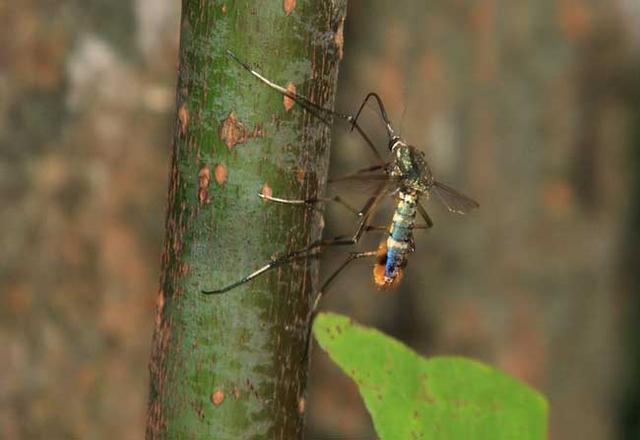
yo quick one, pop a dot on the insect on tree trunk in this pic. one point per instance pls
(230, 366)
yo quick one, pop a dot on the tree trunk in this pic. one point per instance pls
(230, 365)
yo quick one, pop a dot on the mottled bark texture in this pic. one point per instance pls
(229, 366)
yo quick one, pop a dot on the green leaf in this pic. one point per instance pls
(410, 397)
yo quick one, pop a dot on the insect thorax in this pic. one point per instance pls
(411, 168)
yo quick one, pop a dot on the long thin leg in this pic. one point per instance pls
(317, 245)
(371, 204)
(318, 111)
(308, 202)
(336, 198)
(383, 113)
(323, 290)
(311, 201)
(424, 215)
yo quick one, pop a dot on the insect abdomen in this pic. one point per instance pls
(399, 243)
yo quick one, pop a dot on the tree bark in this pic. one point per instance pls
(230, 365)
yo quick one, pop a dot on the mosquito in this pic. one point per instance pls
(406, 176)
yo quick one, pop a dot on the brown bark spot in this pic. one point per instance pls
(289, 102)
(221, 173)
(183, 116)
(234, 132)
(339, 38)
(204, 178)
(266, 190)
(289, 6)
(217, 397)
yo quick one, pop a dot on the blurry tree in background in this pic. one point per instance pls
(529, 107)
(86, 94)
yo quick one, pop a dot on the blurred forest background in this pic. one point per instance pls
(531, 107)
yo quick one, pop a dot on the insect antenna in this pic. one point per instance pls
(390, 132)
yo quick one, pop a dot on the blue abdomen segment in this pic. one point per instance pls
(394, 262)
(400, 235)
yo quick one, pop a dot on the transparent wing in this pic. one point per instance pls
(452, 199)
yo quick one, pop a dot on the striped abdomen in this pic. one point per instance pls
(399, 243)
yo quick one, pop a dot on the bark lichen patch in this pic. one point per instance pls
(289, 6)
(220, 173)
(204, 178)
(183, 117)
(288, 102)
(217, 397)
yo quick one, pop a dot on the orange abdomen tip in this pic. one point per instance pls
(379, 278)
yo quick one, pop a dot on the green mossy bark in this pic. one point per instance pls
(229, 366)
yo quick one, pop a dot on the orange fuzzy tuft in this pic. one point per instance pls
(381, 282)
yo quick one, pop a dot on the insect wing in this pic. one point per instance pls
(452, 199)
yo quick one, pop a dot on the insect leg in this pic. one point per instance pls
(315, 200)
(425, 216)
(316, 110)
(306, 252)
(317, 245)
(309, 202)
(365, 216)
(323, 290)
(267, 267)
(383, 113)
(371, 204)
